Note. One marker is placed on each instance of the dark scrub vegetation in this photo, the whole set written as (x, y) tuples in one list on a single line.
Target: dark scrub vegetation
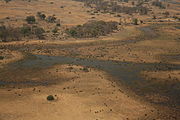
[(92, 29), (14, 34), (110, 6)]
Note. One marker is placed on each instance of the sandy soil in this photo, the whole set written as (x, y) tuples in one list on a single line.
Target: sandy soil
[(9, 56), (72, 13), (93, 94), (86, 95)]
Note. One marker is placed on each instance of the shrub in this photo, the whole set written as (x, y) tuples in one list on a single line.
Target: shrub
[(41, 15), (50, 98), (158, 4), (85, 69), (51, 19), (72, 32), (176, 17), (113, 7), (7, 1), (135, 21), (30, 19), (39, 32), (32, 31), (26, 30), (9, 34), (14, 34), (133, 3), (1, 57), (58, 24), (154, 17), (118, 15), (55, 30), (166, 14)]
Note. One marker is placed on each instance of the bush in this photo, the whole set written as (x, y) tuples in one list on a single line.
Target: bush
[(158, 4), (32, 31), (135, 21), (166, 14), (132, 3), (85, 69), (26, 30), (41, 15), (30, 19), (51, 19), (50, 98), (13, 34), (7, 1), (55, 30), (9, 34), (1, 57), (72, 32), (92, 29), (39, 32), (176, 17), (113, 6), (58, 24)]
